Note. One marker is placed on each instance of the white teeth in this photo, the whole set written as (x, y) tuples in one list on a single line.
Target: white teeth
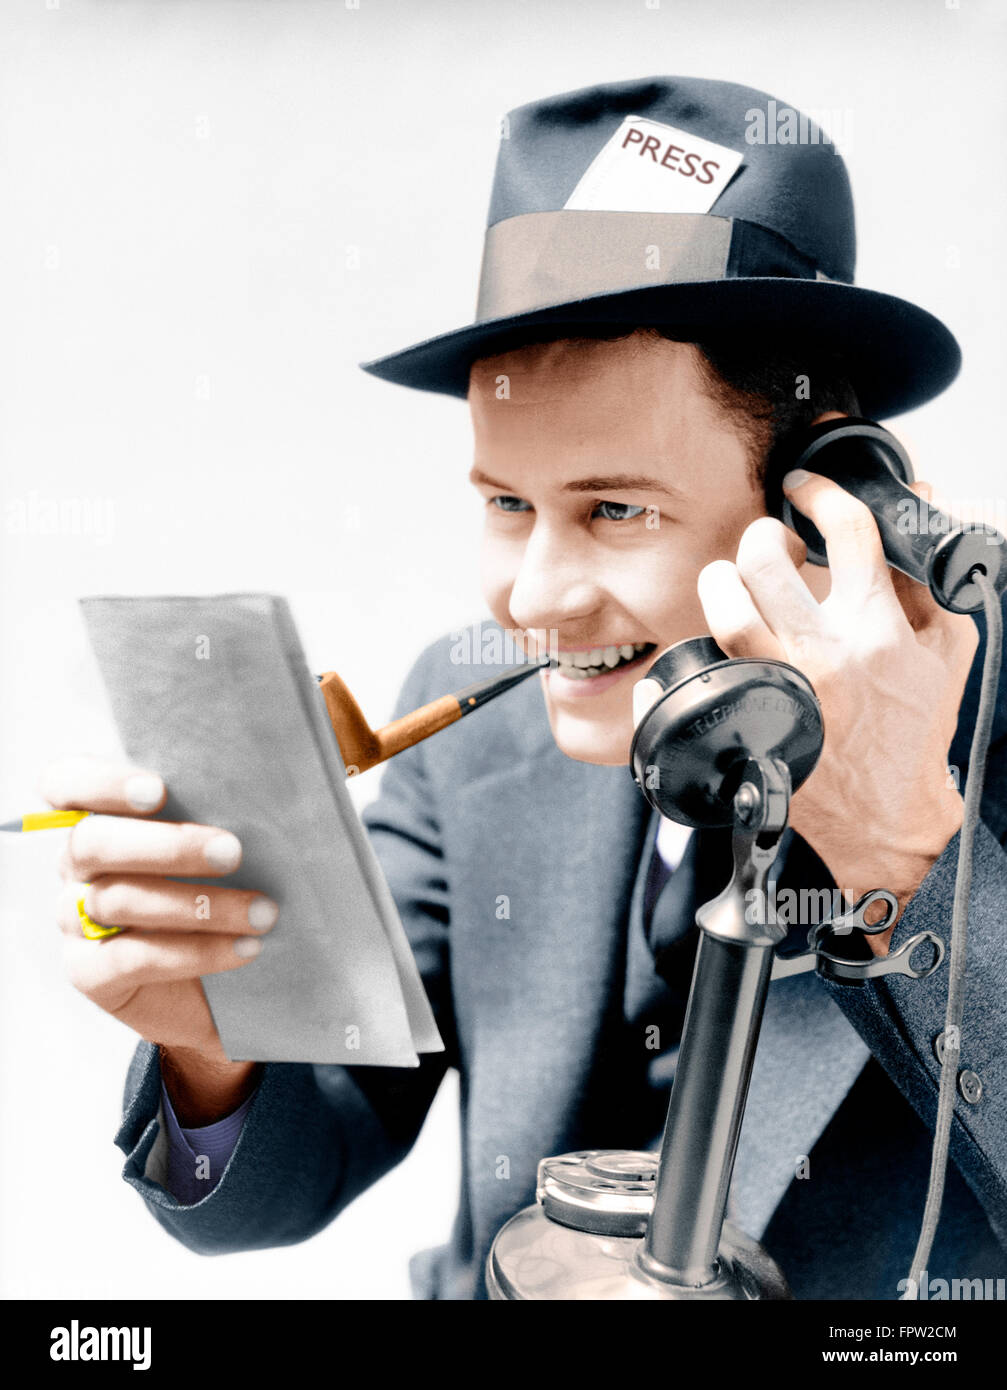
[(587, 665)]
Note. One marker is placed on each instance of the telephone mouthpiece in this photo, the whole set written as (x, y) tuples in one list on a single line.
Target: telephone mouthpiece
[(703, 716)]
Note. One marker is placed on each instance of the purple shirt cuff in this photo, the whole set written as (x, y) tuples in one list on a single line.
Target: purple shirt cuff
[(198, 1157)]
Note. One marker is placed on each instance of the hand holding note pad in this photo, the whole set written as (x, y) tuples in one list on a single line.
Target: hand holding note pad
[(215, 695)]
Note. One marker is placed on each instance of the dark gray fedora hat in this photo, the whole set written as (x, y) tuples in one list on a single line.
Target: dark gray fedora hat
[(702, 207)]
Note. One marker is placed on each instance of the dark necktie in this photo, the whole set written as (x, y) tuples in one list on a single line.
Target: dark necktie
[(659, 944), (661, 950)]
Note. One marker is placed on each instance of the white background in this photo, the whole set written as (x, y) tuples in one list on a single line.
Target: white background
[(183, 188)]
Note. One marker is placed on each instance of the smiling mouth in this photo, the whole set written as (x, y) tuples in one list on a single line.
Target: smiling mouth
[(600, 661)]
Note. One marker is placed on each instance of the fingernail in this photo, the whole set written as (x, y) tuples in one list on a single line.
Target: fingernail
[(144, 791), (247, 946), (797, 477), (262, 913), (223, 851)]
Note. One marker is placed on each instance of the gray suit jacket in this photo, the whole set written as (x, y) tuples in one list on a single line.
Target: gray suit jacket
[(529, 1001)]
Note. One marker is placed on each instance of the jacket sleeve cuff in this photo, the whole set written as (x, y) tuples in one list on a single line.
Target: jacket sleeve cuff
[(901, 1018), (310, 1142)]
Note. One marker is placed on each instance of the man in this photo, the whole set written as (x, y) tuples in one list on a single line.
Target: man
[(663, 305)]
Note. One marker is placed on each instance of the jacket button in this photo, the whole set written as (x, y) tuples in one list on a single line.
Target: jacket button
[(938, 1046), (970, 1086)]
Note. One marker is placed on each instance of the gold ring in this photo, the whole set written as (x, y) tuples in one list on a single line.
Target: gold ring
[(92, 930)]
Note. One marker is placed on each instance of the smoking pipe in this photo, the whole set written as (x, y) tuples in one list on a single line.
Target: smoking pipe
[(363, 747)]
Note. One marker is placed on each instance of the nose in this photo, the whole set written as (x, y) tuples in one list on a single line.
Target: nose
[(555, 583)]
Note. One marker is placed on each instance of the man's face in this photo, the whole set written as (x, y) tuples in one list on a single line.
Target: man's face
[(611, 478)]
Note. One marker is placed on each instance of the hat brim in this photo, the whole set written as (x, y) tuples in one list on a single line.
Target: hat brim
[(898, 355)]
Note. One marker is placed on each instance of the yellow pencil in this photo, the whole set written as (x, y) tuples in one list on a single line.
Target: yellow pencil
[(45, 820)]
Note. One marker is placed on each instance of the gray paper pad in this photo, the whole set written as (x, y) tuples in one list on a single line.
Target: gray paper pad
[(215, 695)]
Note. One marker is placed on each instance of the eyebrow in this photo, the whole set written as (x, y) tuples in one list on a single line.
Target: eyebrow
[(605, 482)]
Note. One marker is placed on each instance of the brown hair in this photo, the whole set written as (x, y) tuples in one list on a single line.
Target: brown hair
[(770, 394)]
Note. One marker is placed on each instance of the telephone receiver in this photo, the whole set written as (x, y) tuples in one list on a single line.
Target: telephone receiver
[(701, 715), (918, 538)]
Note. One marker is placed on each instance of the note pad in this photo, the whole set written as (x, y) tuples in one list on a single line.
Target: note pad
[(215, 695)]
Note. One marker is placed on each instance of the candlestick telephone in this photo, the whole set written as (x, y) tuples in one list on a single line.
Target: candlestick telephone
[(724, 742)]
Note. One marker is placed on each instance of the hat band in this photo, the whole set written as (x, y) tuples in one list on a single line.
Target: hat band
[(540, 259)]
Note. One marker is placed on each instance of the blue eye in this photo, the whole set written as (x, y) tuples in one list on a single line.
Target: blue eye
[(618, 511), (510, 504)]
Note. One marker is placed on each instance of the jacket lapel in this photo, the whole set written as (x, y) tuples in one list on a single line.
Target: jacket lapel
[(543, 854)]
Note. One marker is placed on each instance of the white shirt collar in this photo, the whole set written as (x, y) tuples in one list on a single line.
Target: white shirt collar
[(672, 841)]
